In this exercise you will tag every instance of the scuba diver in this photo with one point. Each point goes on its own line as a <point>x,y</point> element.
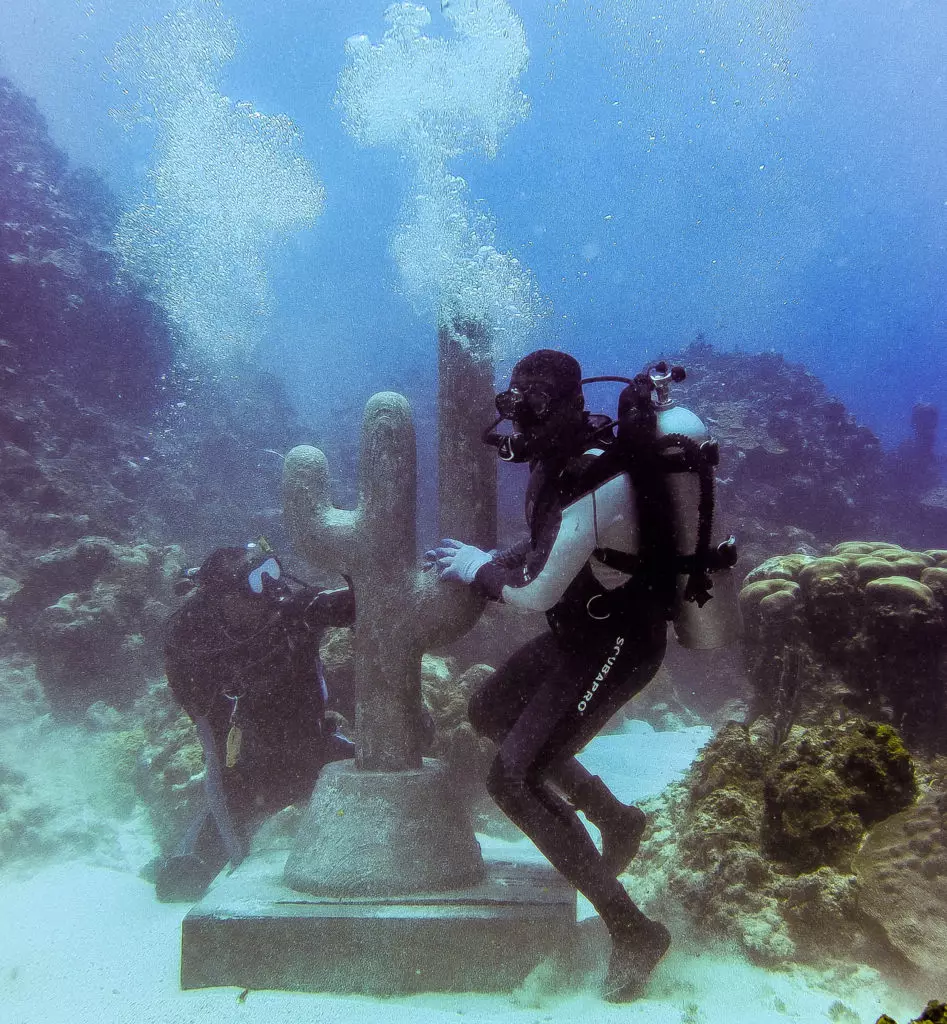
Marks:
<point>611,561</point>
<point>242,659</point>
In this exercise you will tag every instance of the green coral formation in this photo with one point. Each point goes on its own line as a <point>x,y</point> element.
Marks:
<point>793,834</point>
<point>827,786</point>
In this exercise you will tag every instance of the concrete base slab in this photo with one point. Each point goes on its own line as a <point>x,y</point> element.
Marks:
<point>252,931</point>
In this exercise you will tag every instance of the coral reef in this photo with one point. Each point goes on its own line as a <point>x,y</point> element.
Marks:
<point>798,835</point>
<point>860,630</point>
<point>756,844</point>
<point>826,786</point>
<point>169,767</point>
<point>92,615</point>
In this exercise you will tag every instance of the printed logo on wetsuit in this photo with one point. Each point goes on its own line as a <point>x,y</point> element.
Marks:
<point>602,673</point>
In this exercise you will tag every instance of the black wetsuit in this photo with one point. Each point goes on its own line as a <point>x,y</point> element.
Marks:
<point>265,683</point>
<point>606,641</point>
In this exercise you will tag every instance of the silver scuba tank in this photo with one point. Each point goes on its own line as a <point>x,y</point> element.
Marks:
<point>718,622</point>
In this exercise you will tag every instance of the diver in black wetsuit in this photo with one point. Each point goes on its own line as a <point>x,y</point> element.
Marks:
<point>606,640</point>
<point>242,659</point>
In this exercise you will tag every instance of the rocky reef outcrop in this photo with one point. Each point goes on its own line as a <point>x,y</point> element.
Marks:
<point>92,616</point>
<point>756,844</point>
<point>801,835</point>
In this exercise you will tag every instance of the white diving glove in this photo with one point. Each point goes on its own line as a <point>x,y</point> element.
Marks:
<point>456,561</point>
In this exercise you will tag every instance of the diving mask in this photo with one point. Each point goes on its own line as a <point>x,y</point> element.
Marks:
<point>256,578</point>
<point>523,404</point>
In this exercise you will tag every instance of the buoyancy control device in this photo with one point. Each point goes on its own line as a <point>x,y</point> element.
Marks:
<point>671,458</point>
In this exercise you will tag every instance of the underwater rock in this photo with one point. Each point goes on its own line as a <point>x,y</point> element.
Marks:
<point>902,877</point>
<point>93,616</point>
<point>859,631</point>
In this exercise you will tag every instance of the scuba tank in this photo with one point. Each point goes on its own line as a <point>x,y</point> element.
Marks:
<point>671,459</point>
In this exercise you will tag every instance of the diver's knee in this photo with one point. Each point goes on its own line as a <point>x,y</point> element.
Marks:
<point>504,785</point>
<point>498,780</point>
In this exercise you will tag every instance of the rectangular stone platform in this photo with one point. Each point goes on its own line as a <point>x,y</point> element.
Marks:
<point>251,931</point>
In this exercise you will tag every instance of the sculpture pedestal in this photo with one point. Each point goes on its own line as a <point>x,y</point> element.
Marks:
<point>252,931</point>
<point>370,833</point>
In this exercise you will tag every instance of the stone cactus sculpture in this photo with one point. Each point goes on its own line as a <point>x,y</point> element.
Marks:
<point>401,610</point>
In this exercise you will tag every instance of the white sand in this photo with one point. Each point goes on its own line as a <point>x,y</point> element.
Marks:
<point>89,945</point>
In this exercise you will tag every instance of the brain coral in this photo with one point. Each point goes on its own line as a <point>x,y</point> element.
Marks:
<point>902,876</point>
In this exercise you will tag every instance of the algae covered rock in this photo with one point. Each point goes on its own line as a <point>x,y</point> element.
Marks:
<point>756,844</point>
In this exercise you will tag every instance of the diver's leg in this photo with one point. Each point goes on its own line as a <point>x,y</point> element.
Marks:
<point>214,791</point>
<point>565,711</point>
<point>499,702</point>
<point>621,825</point>
<point>210,840</point>
<point>195,861</point>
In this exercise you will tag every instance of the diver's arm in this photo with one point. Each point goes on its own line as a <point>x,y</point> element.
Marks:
<point>316,609</point>
<point>513,557</point>
<point>332,608</point>
<point>564,544</point>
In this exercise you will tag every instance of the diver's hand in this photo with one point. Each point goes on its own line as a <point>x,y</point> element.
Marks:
<point>456,561</point>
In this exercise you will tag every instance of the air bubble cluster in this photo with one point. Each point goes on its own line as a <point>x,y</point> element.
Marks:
<point>227,182</point>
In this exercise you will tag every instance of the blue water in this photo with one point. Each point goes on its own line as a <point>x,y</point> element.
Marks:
<point>771,175</point>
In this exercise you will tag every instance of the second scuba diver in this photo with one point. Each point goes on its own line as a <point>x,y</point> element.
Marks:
<point>242,659</point>
<point>592,562</point>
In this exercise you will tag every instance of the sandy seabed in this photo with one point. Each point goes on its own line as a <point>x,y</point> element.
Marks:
<point>84,944</point>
